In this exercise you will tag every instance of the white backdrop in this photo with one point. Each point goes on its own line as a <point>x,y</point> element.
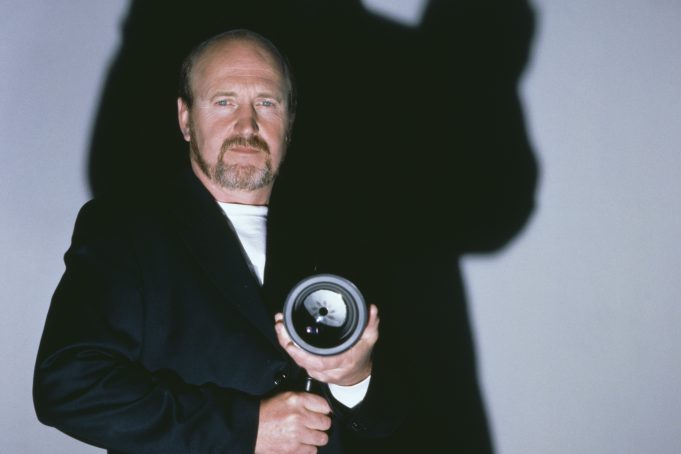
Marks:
<point>576,321</point>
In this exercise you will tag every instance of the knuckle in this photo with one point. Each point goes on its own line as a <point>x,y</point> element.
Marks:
<point>292,398</point>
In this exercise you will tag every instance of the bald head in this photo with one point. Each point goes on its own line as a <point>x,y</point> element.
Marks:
<point>204,49</point>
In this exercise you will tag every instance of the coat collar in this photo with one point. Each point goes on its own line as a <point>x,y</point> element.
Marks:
<point>207,233</point>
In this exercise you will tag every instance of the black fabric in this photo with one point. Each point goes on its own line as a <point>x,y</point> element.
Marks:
<point>158,339</point>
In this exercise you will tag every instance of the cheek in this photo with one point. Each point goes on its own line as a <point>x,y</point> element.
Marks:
<point>211,139</point>
<point>211,124</point>
<point>280,140</point>
<point>275,128</point>
<point>278,154</point>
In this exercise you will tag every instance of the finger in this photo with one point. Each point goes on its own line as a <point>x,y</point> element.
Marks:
<point>282,335</point>
<point>316,365</point>
<point>299,356</point>
<point>373,316</point>
<point>317,421</point>
<point>316,404</point>
<point>313,438</point>
<point>370,333</point>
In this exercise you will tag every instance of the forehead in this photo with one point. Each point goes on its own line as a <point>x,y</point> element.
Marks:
<point>236,61</point>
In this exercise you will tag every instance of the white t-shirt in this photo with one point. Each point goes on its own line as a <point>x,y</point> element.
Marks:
<point>250,225</point>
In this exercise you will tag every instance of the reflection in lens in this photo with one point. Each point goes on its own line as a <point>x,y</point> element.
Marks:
<point>320,318</point>
<point>326,307</point>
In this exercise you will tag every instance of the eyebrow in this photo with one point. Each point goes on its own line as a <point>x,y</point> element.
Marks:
<point>223,93</point>
<point>269,95</point>
<point>262,94</point>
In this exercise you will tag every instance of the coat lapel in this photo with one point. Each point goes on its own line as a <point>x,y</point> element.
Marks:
<point>207,233</point>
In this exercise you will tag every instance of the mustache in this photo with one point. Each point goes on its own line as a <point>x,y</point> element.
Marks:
<point>254,142</point>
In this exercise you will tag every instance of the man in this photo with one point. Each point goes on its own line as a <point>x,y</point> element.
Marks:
<point>160,337</point>
<point>411,151</point>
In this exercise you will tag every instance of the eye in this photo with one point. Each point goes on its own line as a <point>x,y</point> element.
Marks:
<point>224,102</point>
<point>267,103</point>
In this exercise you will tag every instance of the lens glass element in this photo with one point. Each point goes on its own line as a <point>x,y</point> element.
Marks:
<point>325,314</point>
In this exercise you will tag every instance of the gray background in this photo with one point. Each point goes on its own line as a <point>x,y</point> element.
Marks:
<point>577,322</point>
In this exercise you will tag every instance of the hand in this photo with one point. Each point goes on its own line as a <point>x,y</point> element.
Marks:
<point>292,423</point>
<point>347,368</point>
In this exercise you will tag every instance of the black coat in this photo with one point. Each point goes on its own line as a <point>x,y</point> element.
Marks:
<point>159,338</point>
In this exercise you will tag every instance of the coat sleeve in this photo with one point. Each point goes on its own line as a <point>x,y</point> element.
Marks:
<point>379,415</point>
<point>89,381</point>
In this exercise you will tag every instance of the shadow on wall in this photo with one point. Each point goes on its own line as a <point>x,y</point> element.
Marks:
<point>409,147</point>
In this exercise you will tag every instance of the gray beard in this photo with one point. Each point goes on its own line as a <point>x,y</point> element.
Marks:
<point>234,176</point>
<point>243,178</point>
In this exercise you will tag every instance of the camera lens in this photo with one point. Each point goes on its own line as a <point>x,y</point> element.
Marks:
<point>325,314</point>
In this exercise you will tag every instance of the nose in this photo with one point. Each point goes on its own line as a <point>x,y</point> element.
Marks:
<point>246,121</point>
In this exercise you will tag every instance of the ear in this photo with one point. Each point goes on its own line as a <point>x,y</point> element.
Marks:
<point>183,118</point>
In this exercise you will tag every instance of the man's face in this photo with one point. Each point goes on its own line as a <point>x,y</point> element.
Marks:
<point>237,124</point>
